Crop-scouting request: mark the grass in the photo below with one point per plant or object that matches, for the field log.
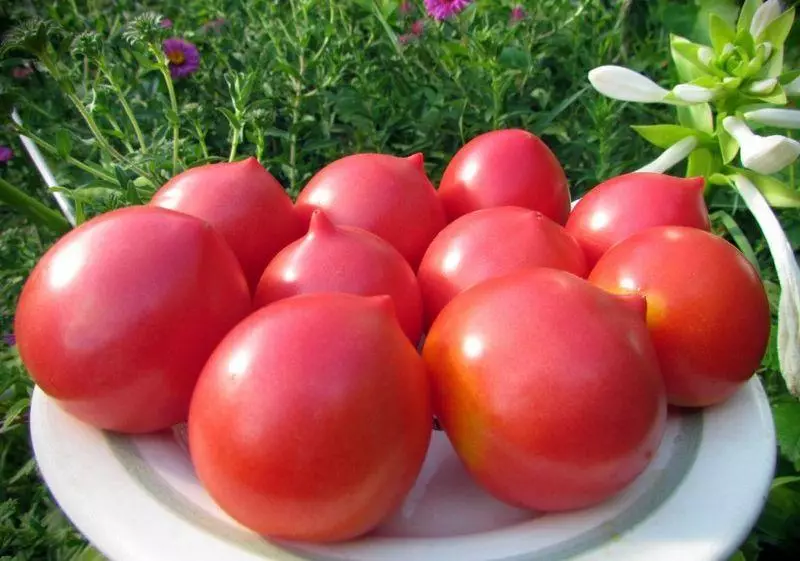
(298, 84)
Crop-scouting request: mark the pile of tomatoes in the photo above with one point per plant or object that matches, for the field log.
(310, 344)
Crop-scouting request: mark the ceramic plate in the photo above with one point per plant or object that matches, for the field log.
(137, 499)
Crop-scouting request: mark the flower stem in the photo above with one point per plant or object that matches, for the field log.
(32, 208)
(173, 102)
(125, 107)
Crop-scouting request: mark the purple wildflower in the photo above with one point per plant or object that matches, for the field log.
(518, 13)
(406, 7)
(21, 72)
(418, 27)
(6, 153)
(10, 339)
(443, 9)
(166, 23)
(214, 24)
(184, 58)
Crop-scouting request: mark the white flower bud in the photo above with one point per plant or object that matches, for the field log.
(671, 156)
(768, 12)
(624, 84)
(763, 154)
(762, 87)
(694, 94)
(782, 118)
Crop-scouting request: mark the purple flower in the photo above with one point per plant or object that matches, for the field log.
(6, 153)
(443, 9)
(518, 13)
(184, 58)
(418, 27)
(214, 24)
(406, 7)
(166, 23)
(21, 72)
(10, 339)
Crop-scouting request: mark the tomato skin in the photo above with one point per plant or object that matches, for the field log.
(389, 196)
(344, 259)
(489, 243)
(509, 167)
(547, 387)
(243, 202)
(312, 418)
(708, 313)
(119, 316)
(624, 205)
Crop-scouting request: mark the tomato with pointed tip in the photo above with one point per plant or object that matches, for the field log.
(243, 202)
(312, 418)
(344, 259)
(118, 318)
(489, 243)
(389, 196)
(548, 388)
(624, 205)
(707, 312)
(509, 167)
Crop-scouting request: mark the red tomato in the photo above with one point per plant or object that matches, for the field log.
(119, 316)
(489, 243)
(625, 205)
(386, 195)
(706, 308)
(244, 203)
(510, 167)
(547, 387)
(344, 259)
(312, 418)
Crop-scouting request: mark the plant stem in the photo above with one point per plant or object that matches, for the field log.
(173, 101)
(32, 208)
(69, 159)
(125, 107)
(234, 143)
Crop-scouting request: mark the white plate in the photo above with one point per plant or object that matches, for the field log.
(137, 499)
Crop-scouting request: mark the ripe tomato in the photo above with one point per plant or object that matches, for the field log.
(510, 167)
(489, 243)
(630, 203)
(706, 308)
(119, 316)
(386, 195)
(312, 418)
(344, 259)
(547, 387)
(244, 203)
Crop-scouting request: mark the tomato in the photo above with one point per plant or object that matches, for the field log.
(119, 316)
(509, 167)
(707, 310)
(630, 203)
(489, 243)
(386, 195)
(548, 388)
(312, 418)
(344, 259)
(244, 203)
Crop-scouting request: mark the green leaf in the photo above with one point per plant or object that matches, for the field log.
(777, 193)
(735, 231)
(727, 144)
(701, 163)
(746, 15)
(664, 136)
(787, 426)
(774, 66)
(788, 77)
(13, 413)
(785, 480)
(63, 143)
(721, 32)
(777, 31)
(738, 556)
(776, 97)
(514, 57)
(698, 116)
(680, 49)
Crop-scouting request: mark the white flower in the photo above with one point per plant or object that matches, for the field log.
(788, 277)
(767, 47)
(782, 118)
(694, 94)
(763, 154)
(768, 12)
(763, 86)
(671, 156)
(727, 49)
(706, 55)
(624, 84)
